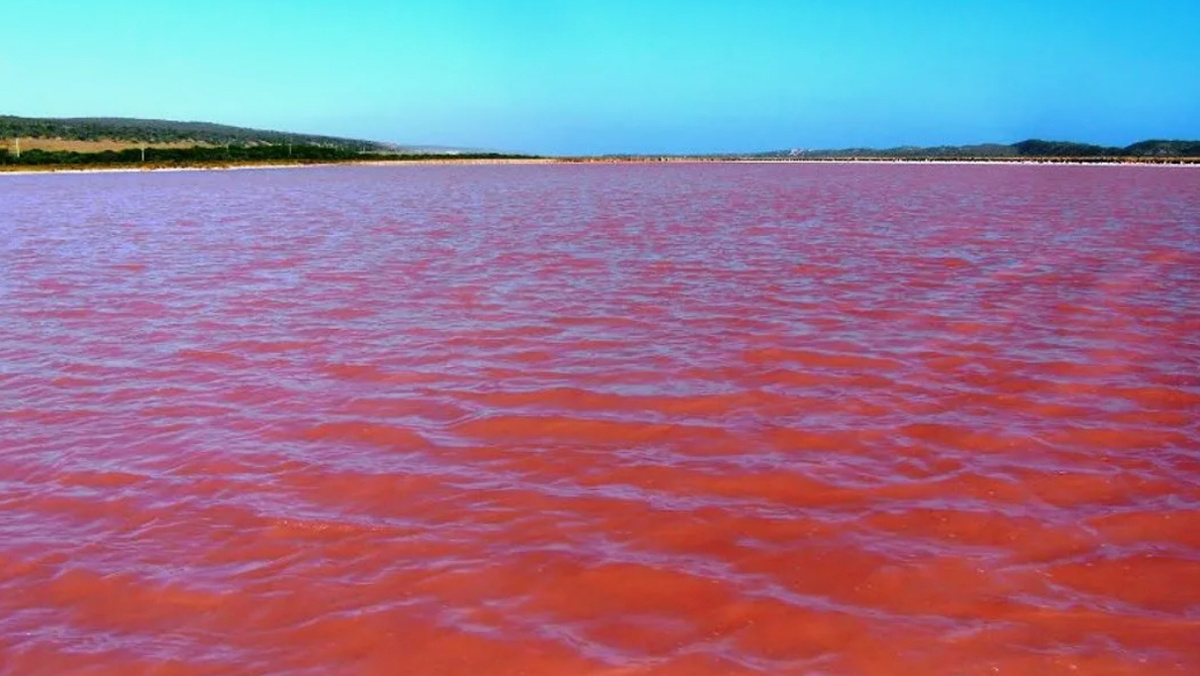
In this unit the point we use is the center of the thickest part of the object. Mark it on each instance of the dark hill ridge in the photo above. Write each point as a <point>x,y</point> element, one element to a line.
<point>1165,149</point>
<point>167,131</point>
<point>1033,148</point>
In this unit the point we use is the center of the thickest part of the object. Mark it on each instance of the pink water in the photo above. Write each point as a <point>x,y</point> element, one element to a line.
<point>703,419</point>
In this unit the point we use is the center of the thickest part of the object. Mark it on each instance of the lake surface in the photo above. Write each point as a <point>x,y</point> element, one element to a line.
<point>614,419</point>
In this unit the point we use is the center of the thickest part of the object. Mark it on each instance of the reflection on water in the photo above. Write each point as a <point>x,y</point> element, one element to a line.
<point>703,419</point>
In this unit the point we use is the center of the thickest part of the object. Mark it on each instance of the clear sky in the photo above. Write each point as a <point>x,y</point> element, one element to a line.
<point>593,76</point>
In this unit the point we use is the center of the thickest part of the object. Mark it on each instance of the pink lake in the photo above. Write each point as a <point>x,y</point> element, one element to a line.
<point>874,420</point>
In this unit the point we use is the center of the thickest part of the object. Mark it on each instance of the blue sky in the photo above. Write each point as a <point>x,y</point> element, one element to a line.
<point>594,76</point>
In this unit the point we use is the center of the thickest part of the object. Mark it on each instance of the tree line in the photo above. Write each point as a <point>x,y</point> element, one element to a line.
<point>215,155</point>
<point>166,131</point>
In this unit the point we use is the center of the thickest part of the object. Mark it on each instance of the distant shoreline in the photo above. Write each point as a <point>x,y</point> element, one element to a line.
<point>34,169</point>
<point>1164,161</point>
<point>91,144</point>
<point>27,170</point>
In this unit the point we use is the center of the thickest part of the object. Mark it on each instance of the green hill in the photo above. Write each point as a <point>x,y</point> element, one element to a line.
<point>1165,149</point>
<point>165,132</point>
<point>102,142</point>
<point>1032,148</point>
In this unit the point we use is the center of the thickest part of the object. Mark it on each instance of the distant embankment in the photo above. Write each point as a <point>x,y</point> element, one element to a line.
<point>87,142</point>
<point>1033,149</point>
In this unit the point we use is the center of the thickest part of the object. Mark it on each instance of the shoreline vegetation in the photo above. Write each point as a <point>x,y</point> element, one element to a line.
<point>123,144</point>
<point>206,157</point>
<point>113,144</point>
